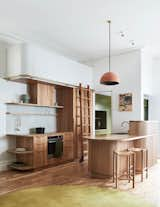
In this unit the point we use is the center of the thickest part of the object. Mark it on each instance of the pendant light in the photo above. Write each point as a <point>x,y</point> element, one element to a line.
<point>109,78</point>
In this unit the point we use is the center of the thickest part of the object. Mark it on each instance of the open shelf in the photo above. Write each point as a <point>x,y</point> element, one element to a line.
<point>13,151</point>
<point>30,114</point>
<point>33,105</point>
<point>21,168</point>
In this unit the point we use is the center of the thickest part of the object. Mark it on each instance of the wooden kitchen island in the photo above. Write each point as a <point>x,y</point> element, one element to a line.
<point>100,156</point>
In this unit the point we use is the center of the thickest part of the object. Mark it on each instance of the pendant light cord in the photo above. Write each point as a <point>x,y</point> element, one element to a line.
<point>109,23</point>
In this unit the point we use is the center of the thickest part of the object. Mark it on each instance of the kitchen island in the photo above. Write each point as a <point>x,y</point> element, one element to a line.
<point>100,156</point>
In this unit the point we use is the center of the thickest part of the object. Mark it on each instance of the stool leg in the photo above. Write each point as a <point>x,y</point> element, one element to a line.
<point>129,169</point>
<point>134,164</point>
<point>116,171</point>
<point>146,164</point>
<point>142,167</point>
<point>113,166</point>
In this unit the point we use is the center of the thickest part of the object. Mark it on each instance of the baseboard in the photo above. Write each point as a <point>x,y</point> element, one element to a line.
<point>4,164</point>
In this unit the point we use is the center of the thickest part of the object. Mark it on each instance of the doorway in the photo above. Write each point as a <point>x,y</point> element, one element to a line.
<point>102,114</point>
<point>146,109</point>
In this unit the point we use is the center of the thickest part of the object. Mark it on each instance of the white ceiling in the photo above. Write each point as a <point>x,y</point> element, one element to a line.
<point>77,28</point>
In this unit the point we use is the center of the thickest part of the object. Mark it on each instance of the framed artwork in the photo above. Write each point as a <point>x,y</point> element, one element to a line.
<point>125,102</point>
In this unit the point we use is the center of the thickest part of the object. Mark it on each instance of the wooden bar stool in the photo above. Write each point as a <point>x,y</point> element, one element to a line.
<point>131,163</point>
<point>143,160</point>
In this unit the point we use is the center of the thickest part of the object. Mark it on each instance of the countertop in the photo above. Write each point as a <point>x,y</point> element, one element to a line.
<point>117,137</point>
<point>32,135</point>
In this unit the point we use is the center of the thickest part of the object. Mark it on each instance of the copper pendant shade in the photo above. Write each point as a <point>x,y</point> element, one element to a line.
<point>109,78</point>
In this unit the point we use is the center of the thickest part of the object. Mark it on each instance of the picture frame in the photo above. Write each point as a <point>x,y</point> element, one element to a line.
<point>125,102</point>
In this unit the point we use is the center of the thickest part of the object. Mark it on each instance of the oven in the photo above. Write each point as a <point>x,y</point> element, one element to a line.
<point>55,146</point>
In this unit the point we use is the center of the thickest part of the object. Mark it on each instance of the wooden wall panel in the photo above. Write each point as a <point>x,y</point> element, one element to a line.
<point>32,91</point>
<point>64,97</point>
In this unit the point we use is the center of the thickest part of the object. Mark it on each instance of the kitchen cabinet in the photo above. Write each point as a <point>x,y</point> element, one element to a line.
<point>36,154</point>
<point>40,151</point>
<point>68,146</point>
<point>41,93</point>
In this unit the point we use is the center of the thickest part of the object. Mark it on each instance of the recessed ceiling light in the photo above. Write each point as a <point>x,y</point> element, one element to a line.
<point>132,42</point>
<point>122,34</point>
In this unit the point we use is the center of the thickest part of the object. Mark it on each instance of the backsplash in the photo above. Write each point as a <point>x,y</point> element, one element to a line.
<point>20,119</point>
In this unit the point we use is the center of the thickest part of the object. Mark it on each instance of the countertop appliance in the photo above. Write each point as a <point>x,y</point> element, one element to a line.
<point>40,130</point>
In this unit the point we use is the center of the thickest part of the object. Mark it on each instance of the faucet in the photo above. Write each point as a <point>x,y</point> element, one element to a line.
<point>124,124</point>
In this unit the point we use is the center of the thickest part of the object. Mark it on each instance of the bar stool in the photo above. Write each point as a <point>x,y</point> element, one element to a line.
<point>131,163</point>
<point>144,162</point>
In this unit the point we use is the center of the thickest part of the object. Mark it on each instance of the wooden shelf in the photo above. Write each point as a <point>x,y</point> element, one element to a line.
<point>33,105</point>
<point>22,168</point>
<point>13,151</point>
<point>31,114</point>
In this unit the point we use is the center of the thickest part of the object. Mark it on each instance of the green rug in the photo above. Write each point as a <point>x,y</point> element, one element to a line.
<point>70,196</point>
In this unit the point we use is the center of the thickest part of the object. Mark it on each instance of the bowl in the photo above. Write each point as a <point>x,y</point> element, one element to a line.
<point>20,149</point>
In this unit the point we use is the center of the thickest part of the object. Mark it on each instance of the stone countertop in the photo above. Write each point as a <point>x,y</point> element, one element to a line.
<point>116,137</point>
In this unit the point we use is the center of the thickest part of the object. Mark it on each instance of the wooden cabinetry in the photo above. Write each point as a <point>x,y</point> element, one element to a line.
<point>36,154</point>
<point>64,97</point>
<point>68,150</point>
<point>24,157</point>
<point>150,128</point>
<point>39,151</point>
<point>68,118</point>
<point>68,146</point>
<point>41,93</point>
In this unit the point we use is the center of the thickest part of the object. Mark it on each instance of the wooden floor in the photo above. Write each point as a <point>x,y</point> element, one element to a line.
<point>76,174</point>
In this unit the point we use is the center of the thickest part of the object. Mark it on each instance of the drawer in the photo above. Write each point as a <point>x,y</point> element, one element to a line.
<point>40,139</point>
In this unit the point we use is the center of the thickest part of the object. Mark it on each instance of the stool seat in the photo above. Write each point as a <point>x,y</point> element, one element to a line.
<point>136,149</point>
<point>124,153</point>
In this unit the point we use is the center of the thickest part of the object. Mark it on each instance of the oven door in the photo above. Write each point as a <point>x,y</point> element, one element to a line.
<point>51,146</point>
<point>55,147</point>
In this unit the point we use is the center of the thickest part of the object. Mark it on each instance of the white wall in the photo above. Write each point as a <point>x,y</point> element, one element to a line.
<point>36,61</point>
<point>146,78</point>
<point>127,66</point>
<point>3,58</point>
<point>14,59</point>
<point>155,99</point>
<point>146,70</point>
